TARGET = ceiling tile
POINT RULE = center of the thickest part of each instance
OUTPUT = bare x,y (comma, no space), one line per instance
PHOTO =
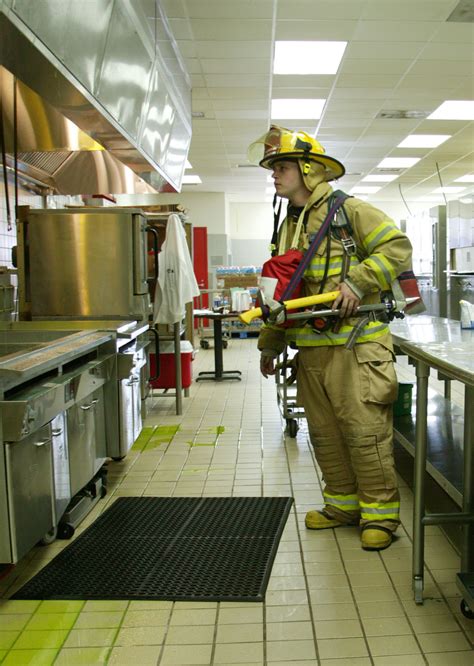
394,31
315,30
229,9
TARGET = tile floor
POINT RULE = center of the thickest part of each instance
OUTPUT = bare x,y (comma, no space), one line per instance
328,602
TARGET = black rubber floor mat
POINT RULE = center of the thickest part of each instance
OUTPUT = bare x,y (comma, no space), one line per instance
213,549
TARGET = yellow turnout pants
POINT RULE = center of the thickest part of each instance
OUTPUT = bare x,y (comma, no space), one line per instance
347,397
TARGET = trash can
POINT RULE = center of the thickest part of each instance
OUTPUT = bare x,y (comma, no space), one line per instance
402,404
166,378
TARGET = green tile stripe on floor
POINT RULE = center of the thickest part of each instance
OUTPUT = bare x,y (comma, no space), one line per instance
143,438
161,435
48,629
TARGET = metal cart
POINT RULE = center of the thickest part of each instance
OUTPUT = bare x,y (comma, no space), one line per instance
206,333
286,392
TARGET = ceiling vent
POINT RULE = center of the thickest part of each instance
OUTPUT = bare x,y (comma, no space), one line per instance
247,166
390,170
401,114
462,13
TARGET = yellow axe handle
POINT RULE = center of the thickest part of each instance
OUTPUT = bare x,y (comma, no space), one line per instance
294,304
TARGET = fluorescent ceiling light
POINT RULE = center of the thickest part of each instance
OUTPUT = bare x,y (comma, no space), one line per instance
308,57
378,178
449,190
188,165
296,109
365,190
468,178
424,140
191,180
454,110
398,162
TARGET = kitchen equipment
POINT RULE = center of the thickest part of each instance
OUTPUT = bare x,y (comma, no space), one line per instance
84,263
48,451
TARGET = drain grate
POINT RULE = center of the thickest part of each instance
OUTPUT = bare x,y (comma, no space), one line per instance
194,549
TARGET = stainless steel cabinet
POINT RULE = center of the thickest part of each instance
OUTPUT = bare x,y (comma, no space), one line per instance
29,471
86,439
130,363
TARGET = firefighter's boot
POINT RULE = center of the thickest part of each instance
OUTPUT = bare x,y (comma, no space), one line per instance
319,520
375,538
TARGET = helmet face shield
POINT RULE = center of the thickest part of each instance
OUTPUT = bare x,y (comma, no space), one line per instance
280,143
267,145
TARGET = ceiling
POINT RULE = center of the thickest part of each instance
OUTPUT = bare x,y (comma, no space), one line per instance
402,55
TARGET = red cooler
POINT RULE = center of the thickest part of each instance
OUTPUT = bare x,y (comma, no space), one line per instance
167,380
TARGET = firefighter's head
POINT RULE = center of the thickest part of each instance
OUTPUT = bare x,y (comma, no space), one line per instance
281,144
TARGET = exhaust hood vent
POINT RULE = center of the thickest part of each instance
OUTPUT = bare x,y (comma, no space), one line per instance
462,13
401,114
46,162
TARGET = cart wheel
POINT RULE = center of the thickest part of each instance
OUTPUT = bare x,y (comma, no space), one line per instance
204,344
225,344
65,531
466,611
103,491
292,427
117,458
49,537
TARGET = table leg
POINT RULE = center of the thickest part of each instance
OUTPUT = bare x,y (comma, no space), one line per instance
467,552
422,375
219,373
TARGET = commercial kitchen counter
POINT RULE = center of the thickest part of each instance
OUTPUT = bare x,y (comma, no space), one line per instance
53,388
440,344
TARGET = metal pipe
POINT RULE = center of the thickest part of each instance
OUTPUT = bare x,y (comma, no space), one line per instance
177,367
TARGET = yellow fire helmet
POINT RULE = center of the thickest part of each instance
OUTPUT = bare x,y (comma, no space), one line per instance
280,143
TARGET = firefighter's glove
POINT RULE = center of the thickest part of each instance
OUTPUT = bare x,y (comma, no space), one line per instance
276,313
267,362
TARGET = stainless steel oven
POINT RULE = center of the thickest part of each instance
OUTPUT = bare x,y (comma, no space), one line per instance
84,264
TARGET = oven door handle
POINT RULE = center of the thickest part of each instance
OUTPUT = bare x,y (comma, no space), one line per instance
155,253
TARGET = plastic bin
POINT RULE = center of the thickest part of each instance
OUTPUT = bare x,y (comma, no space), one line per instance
402,404
166,379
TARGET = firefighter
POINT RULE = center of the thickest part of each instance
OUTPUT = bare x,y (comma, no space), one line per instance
347,393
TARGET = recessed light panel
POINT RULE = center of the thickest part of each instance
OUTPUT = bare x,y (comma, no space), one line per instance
191,180
424,140
468,178
365,190
296,109
454,110
398,162
378,178
308,57
449,190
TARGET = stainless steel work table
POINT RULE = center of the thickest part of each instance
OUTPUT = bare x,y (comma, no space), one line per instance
455,360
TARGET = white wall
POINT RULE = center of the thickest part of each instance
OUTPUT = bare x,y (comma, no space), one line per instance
206,209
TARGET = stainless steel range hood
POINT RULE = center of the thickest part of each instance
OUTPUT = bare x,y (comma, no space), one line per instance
102,98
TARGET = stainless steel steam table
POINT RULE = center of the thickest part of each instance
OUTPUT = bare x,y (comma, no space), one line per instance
455,360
